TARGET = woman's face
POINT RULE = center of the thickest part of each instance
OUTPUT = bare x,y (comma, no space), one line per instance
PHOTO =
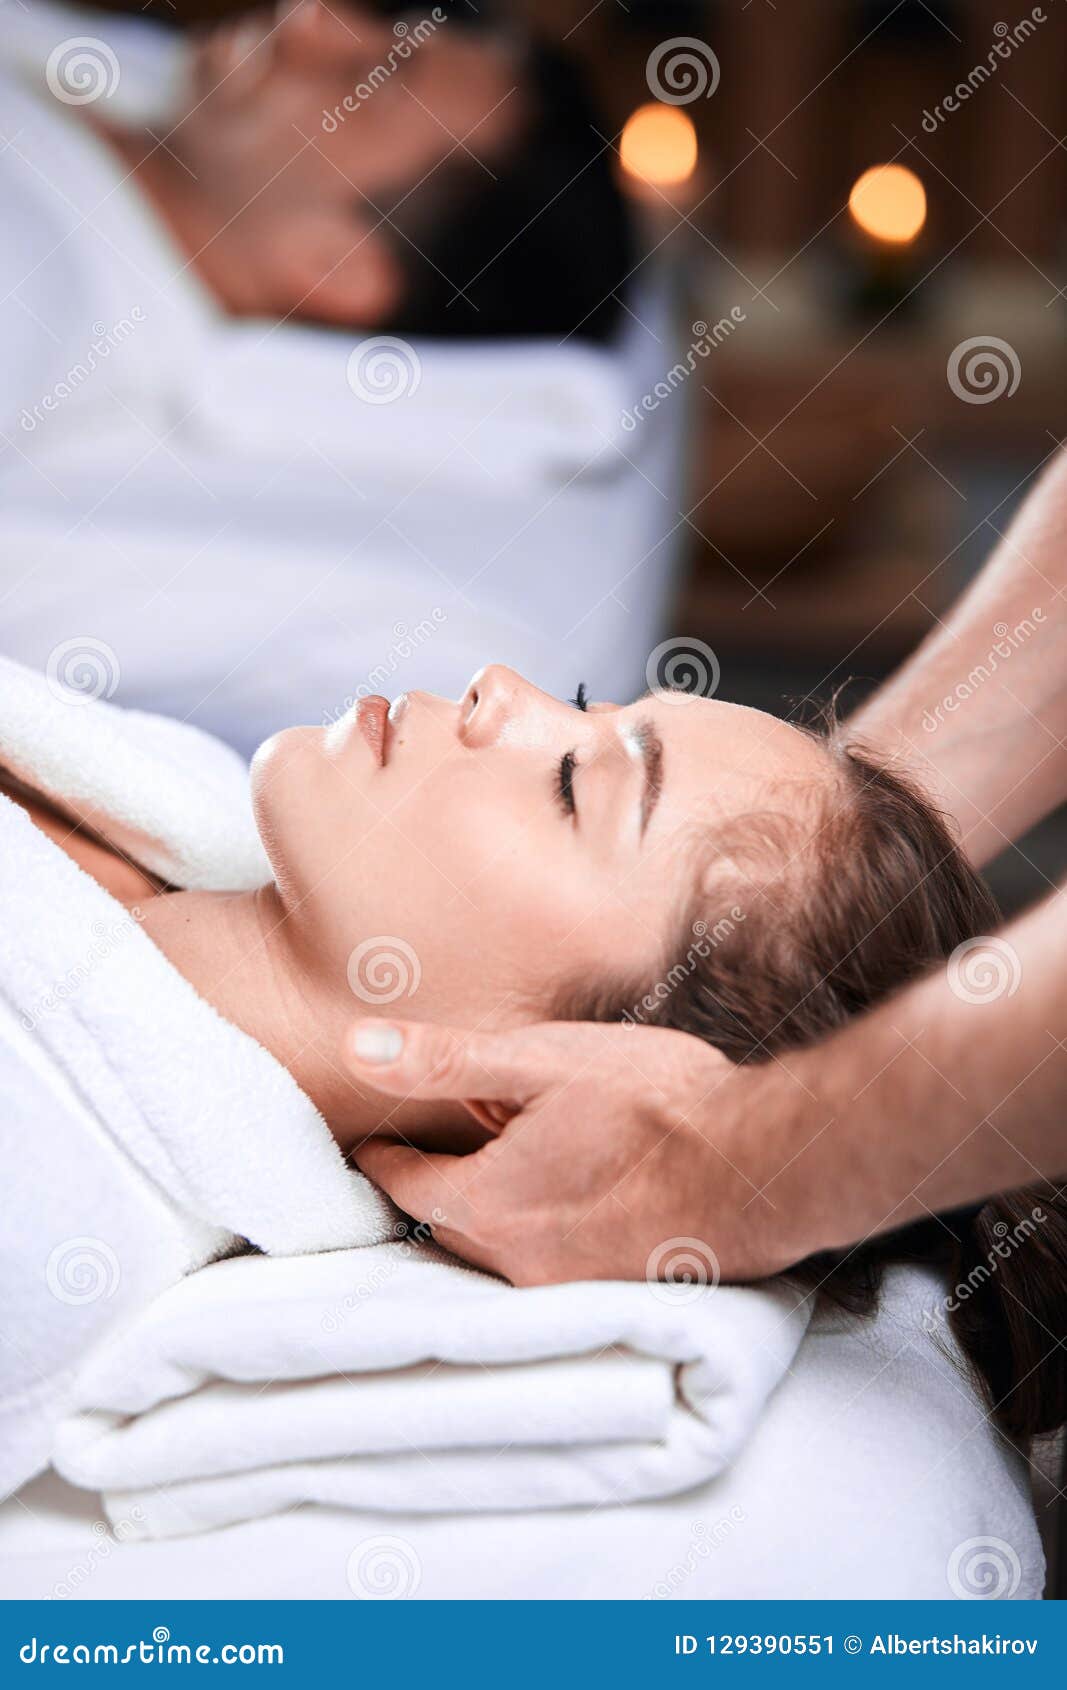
465,861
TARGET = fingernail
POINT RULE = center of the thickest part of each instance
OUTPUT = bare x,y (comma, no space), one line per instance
377,1043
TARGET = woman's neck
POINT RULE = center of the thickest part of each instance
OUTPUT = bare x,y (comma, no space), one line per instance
234,948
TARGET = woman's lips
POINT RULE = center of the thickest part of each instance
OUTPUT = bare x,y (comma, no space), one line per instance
372,715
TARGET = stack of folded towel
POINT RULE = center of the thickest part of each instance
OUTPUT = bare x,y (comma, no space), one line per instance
393,1378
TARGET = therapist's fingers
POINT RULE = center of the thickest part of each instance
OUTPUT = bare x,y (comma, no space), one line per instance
419,1059
430,1189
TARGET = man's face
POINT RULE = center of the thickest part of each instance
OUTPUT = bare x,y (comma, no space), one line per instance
300,131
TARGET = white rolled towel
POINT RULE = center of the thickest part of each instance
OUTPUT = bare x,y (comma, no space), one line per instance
394,1378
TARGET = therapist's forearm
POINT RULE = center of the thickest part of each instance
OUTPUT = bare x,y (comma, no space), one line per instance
980,711
950,1093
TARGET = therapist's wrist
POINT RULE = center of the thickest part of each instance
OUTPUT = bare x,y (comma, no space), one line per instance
873,1146
755,1131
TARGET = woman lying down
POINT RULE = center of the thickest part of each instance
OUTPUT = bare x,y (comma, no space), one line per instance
177,970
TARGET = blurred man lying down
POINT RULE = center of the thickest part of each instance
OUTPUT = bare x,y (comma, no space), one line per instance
330,165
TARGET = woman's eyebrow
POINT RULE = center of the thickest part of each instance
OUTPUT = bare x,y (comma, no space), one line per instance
646,742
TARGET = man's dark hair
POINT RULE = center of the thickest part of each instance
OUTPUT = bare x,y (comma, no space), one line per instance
542,246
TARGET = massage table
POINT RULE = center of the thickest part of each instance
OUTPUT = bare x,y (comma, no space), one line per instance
873,1474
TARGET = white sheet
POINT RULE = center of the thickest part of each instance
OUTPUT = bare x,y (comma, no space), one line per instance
394,1377
872,1468
253,541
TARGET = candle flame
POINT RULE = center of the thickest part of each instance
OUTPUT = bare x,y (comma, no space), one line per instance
889,202
659,145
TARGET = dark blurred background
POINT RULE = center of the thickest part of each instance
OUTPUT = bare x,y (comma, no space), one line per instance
840,491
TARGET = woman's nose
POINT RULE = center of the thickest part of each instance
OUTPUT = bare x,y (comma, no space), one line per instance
497,698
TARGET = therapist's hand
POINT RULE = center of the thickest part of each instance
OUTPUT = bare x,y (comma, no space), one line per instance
603,1164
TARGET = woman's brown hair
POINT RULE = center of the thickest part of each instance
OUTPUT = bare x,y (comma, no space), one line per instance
824,922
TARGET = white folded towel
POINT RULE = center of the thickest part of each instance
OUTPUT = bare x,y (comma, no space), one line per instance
141,1134
396,1379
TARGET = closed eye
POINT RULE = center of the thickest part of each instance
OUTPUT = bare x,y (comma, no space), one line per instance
565,782
580,700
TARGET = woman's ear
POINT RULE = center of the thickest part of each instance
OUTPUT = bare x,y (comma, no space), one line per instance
494,1117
